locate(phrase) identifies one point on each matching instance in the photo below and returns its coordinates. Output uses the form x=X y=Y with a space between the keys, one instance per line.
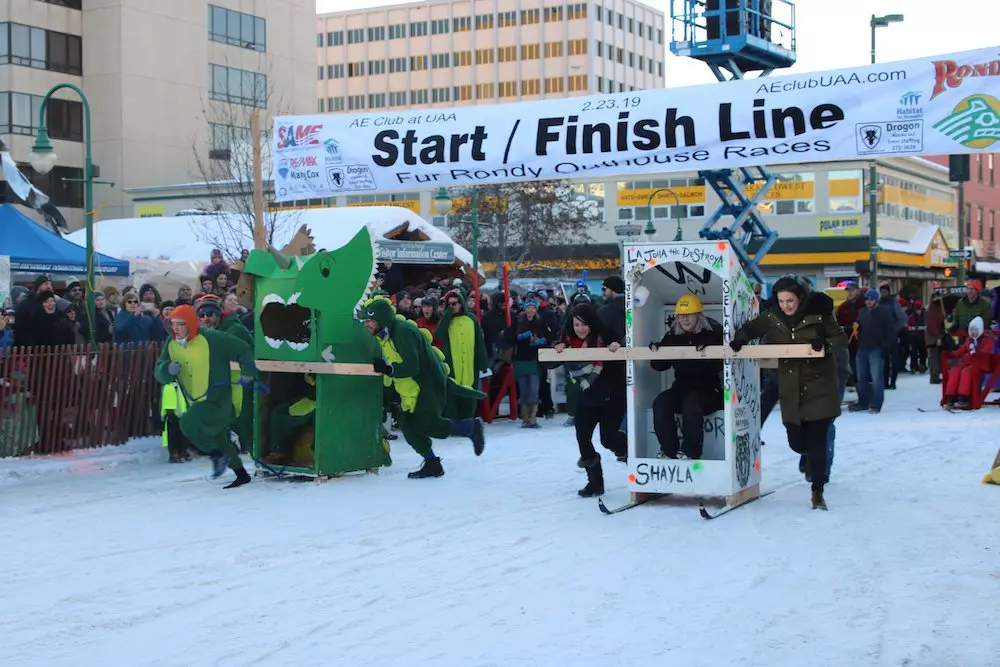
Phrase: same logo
x=298 y=136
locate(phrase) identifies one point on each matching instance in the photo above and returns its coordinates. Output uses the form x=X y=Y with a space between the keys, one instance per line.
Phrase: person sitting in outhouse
x=697 y=387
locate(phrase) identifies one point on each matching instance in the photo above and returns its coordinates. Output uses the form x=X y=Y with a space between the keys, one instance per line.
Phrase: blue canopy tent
x=34 y=249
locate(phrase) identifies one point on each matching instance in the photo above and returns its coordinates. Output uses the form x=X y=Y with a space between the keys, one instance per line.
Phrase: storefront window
x=593 y=192
x=845 y=191
x=633 y=199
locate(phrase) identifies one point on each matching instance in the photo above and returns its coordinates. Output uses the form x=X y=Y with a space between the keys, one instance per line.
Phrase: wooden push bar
x=797 y=351
x=314 y=367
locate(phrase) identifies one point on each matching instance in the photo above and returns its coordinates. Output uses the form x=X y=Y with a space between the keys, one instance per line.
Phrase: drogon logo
x=949 y=74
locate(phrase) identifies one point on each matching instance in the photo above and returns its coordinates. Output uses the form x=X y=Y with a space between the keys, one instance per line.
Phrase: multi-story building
x=456 y=52
x=164 y=80
x=982 y=201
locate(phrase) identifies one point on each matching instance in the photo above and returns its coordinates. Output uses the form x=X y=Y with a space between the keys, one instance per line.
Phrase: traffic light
x=958 y=168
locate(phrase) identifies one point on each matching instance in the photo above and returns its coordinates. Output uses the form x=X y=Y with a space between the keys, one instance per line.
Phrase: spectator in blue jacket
x=6 y=332
x=137 y=325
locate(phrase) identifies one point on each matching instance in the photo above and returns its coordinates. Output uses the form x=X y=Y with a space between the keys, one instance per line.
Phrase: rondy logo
x=974 y=123
x=870 y=135
x=949 y=74
x=297 y=136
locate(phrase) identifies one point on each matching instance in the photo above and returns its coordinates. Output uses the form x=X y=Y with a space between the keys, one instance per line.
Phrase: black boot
x=595 y=482
x=242 y=477
x=478 y=437
x=818 y=502
x=431 y=468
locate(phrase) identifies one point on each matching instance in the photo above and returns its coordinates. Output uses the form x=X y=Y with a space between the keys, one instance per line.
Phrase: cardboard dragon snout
x=305 y=312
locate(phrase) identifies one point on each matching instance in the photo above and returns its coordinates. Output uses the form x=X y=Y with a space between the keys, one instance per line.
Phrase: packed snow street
x=501 y=563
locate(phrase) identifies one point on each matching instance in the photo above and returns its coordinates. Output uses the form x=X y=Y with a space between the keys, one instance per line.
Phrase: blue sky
x=833 y=38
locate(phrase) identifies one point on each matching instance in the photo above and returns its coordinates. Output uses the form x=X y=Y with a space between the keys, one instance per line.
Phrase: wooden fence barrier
x=55 y=399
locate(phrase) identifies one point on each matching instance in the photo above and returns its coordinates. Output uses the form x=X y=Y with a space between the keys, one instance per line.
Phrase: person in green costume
x=198 y=359
x=287 y=417
x=464 y=351
x=211 y=316
x=416 y=370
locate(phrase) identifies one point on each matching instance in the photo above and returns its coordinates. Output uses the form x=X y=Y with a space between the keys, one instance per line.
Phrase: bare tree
x=518 y=220
x=224 y=165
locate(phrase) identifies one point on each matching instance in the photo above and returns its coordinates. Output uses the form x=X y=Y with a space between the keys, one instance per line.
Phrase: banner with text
x=937 y=105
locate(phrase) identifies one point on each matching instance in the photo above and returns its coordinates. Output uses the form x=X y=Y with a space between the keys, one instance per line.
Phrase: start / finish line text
x=570 y=136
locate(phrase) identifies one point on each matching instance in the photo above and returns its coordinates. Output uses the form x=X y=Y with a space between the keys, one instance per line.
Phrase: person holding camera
x=138 y=323
x=807 y=388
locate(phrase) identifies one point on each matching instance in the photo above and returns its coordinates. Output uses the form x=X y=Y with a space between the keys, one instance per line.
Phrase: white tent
x=159 y=246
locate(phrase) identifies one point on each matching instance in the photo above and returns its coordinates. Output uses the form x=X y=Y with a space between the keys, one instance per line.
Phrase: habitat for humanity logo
x=909 y=105
x=974 y=123
x=332 y=149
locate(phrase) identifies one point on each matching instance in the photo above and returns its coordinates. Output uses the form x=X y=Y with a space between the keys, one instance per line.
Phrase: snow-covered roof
x=175 y=239
x=916 y=246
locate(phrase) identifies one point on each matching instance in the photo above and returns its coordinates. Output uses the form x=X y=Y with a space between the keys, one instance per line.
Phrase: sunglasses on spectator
x=207 y=313
x=132 y=301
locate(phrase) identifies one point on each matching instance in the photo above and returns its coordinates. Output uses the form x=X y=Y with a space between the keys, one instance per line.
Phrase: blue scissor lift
x=735 y=37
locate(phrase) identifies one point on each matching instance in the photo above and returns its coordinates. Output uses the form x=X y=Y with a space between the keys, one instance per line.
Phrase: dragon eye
x=325 y=271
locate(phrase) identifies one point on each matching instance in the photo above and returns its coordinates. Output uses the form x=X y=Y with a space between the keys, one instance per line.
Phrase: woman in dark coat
x=602 y=395
x=807 y=388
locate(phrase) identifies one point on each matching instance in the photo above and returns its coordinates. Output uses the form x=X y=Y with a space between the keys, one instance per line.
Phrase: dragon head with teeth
x=306 y=305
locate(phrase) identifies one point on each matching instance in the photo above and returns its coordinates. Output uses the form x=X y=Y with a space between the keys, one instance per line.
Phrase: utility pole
x=961 y=230
x=876 y=22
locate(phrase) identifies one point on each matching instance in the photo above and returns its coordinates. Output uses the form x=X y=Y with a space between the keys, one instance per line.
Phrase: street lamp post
x=650 y=229
x=43 y=159
x=876 y=22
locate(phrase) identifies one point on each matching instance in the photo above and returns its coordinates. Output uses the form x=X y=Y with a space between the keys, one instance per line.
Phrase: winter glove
x=381 y=366
x=701 y=348
x=173 y=369
x=524 y=335
x=736 y=344
x=818 y=343
x=539 y=342
x=653 y=346
x=246 y=380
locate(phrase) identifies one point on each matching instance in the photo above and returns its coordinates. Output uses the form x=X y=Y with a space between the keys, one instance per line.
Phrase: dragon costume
x=230 y=323
x=200 y=365
x=464 y=351
x=416 y=370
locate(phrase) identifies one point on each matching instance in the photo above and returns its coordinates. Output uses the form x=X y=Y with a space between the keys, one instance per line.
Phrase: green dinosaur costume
x=464 y=353
x=287 y=417
x=416 y=370
x=232 y=325
x=205 y=377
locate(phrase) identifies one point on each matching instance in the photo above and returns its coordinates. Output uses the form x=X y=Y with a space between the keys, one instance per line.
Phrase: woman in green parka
x=807 y=388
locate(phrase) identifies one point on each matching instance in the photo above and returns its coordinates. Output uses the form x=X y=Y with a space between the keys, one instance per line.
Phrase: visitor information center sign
x=938 y=105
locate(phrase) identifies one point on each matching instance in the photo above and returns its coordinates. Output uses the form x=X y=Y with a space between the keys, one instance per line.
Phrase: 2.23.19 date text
x=612 y=103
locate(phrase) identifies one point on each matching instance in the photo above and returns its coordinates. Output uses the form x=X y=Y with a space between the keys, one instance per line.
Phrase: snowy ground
x=116 y=558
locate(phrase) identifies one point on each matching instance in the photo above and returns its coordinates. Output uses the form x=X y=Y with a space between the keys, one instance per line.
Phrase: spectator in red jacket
x=974 y=358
